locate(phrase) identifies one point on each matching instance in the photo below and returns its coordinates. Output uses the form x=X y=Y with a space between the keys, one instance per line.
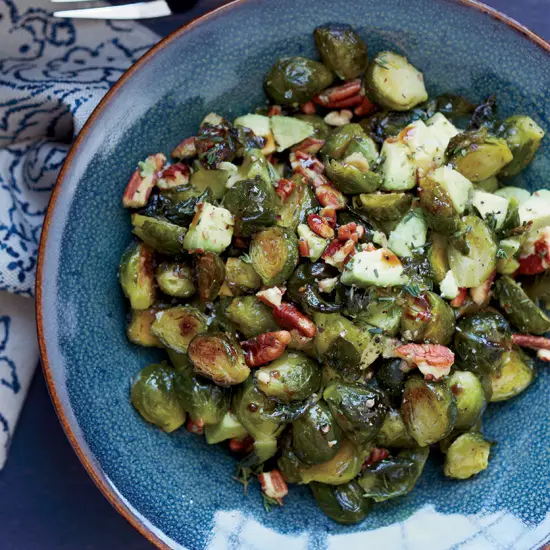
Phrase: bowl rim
x=93 y=471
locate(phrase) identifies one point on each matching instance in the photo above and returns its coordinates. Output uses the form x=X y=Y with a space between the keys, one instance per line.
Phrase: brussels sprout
x=519 y=308
x=339 y=140
x=427 y=318
x=437 y=256
x=477 y=155
x=470 y=398
x=255 y=165
x=366 y=147
x=213 y=180
x=350 y=179
x=393 y=476
x=385 y=124
x=386 y=206
x=344 y=504
x=451 y=105
x=218 y=357
x=393 y=432
x=251 y=317
x=228 y=428
x=240 y=277
x=340 y=469
x=474 y=268
x=342 y=50
x=316 y=435
x=321 y=128
x=252 y=202
x=135 y=273
x=391 y=378
x=210 y=275
x=516 y=374
x=381 y=310
x=138 y=329
x=176 y=327
x=218 y=320
x=481 y=340
x=274 y=254
x=467 y=456
x=154 y=397
x=295 y=80
x=202 y=399
x=428 y=410
x=523 y=135
x=175 y=279
x=394 y=83
x=210 y=231
x=490 y=185
x=298 y=205
x=163 y=236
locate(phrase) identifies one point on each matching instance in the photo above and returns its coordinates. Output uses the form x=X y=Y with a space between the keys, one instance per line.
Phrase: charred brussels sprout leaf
x=176 y=327
x=210 y=275
x=251 y=317
x=393 y=476
x=295 y=80
x=342 y=50
x=163 y=236
x=291 y=377
x=154 y=397
x=428 y=410
x=516 y=374
x=344 y=504
x=467 y=456
x=138 y=330
x=175 y=279
x=359 y=410
x=470 y=398
x=218 y=357
x=135 y=274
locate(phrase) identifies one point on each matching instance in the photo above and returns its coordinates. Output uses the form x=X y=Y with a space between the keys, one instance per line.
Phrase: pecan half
x=284 y=188
x=265 y=348
x=320 y=226
x=303 y=248
x=329 y=214
x=290 y=317
x=532 y=342
x=271 y=296
x=310 y=145
x=273 y=485
x=186 y=149
x=337 y=97
x=433 y=360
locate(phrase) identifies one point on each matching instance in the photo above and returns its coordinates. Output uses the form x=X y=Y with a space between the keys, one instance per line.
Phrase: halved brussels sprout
x=467 y=456
x=427 y=318
x=366 y=147
x=428 y=410
x=255 y=165
x=295 y=80
x=218 y=357
x=316 y=435
x=344 y=504
x=480 y=341
x=175 y=279
x=517 y=372
x=251 y=317
x=227 y=428
x=274 y=254
x=391 y=378
x=210 y=231
x=154 y=397
x=359 y=410
x=214 y=180
x=437 y=256
x=298 y=205
x=210 y=275
x=393 y=476
x=291 y=377
x=176 y=327
x=136 y=277
x=342 y=50
x=393 y=432
x=394 y=83
x=470 y=398
x=163 y=236
x=519 y=308
x=339 y=140
x=241 y=277
x=138 y=329
x=385 y=206
x=350 y=179
x=382 y=310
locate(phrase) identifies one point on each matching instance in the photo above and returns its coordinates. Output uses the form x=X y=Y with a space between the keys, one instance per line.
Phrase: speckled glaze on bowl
x=173 y=488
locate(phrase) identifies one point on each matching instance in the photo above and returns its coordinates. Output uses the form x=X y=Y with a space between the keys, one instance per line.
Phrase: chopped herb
x=413 y=290
x=376 y=330
x=382 y=63
x=246 y=258
x=376 y=273
x=269 y=502
x=501 y=254
x=243 y=476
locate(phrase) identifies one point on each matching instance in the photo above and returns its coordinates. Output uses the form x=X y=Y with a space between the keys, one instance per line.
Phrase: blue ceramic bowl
x=173 y=488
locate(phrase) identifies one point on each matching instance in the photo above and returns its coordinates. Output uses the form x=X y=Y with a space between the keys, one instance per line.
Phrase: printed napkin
x=53 y=72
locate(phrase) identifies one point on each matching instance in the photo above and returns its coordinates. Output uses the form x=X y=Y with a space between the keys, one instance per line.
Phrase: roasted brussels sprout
x=138 y=329
x=154 y=397
x=427 y=318
x=274 y=254
x=385 y=124
x=378 y=307
x=481 y=340
x=295 y=209
x=295 y=80
x=252 y=202
x=393 y=432
x=467 y=456
x=212 y=180
x=176 y=327
x=251 y=317
x=470 y=398
x=359 y=410
x=344 y=504
x=517 y=372
x=163 y=236
x=519 y=308
x=428 y=410
x=539 y=288
x=523 y=136
x=135 y=274
x=391 y=378
x=394 y=83
x=394 y=476
x=339 y=140
x=210 y=271
x=320 y=127
x=316 y=435
x=385 y=206
x=437 y=256
x=175 y=279
x=227 y=428
x=218 y=357
x=210 y=231
x=366 y=147
x=350 y=178
x=241 y=277
x=342 y=50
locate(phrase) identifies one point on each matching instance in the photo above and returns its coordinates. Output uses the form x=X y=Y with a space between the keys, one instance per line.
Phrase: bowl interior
x=175 y=486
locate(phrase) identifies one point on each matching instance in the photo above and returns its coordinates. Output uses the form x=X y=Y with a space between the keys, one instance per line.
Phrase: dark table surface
x=47 y=501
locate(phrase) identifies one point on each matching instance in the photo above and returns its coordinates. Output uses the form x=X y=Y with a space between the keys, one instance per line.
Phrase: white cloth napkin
x=53 y=72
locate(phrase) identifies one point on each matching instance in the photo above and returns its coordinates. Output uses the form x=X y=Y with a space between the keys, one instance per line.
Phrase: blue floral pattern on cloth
x=53 y=72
